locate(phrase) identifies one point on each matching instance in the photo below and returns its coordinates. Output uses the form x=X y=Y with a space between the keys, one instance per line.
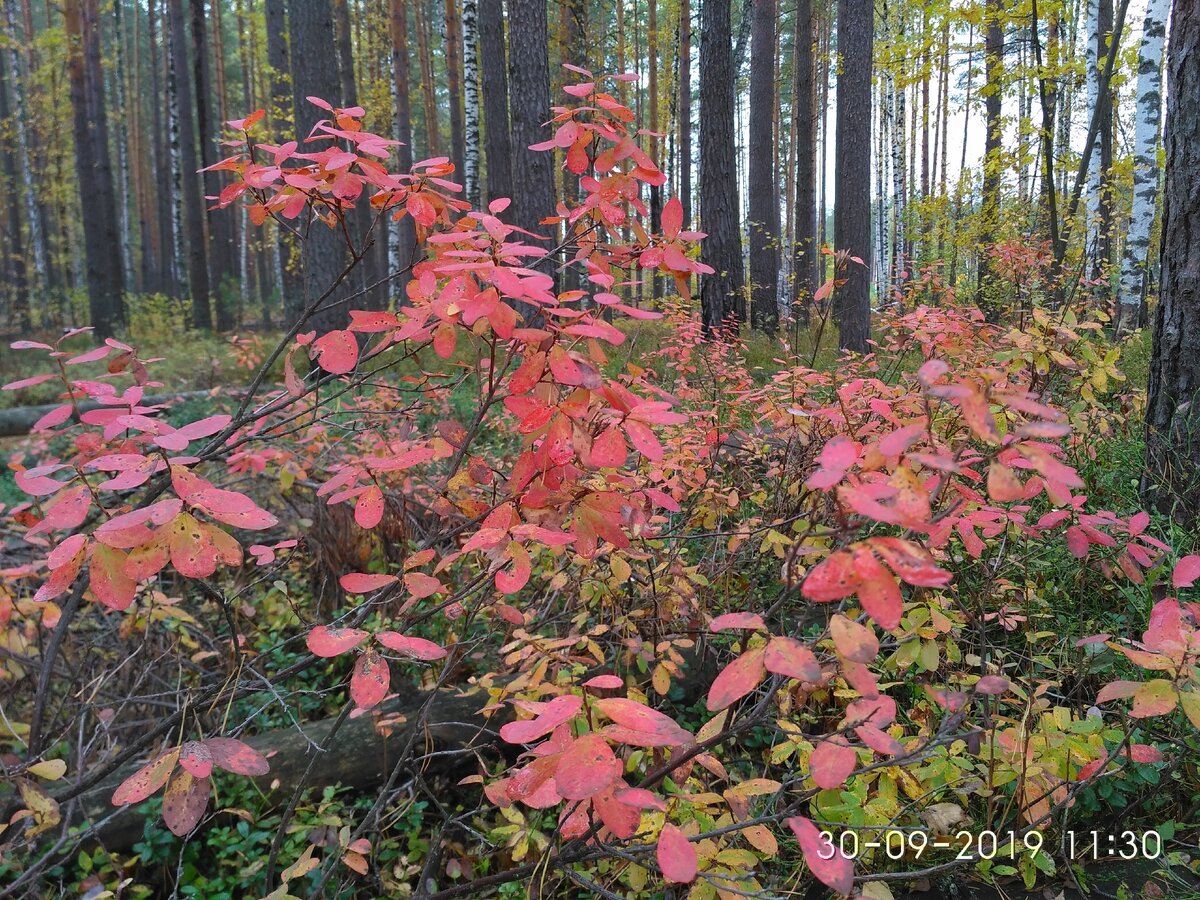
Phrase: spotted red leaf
x=852 y=640
x=586 y=768
x=788 y=657
x=369 y=683
x=337 y=352
x=736 y=620
x=368 y=510
x=364 y=583
x=196 y=758
x=640 y=718
x=185 y=801
x=147 y=780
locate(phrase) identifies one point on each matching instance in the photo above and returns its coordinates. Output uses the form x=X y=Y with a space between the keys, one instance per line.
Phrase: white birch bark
x=1092 y=57
x=1145 y=164
x=470 y=23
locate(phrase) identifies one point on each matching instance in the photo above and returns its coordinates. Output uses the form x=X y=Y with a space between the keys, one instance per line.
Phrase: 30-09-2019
x=915 y=843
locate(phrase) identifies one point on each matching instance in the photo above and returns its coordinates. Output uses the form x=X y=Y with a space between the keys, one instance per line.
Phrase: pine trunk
x=722 y=297
x=529 y=74
x=852 y=204
x=804 y=239
x=496 y=135
x=994 y=70
x=404 y=235
x=454 y=78
x=763 y=218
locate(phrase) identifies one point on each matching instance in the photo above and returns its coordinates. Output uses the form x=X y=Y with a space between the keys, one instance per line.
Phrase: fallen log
x=358 y=756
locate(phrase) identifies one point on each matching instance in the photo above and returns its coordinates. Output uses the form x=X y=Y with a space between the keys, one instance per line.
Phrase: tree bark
x=324 y=250
x=191 y=195
x=404 y=235
x=852 y=204
x=804 y=240
x=993 y=72
x=529 y=72
x=454 y=79
x=763 y=212
x=1145 y=167
x=220 y=231
x=497 y=138
x=470 y=31
x=1172 y=481
x=685 y=109
x=105 y=283
x=722 y=295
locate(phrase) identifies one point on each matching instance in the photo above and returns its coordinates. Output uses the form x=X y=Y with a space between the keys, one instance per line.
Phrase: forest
x=600 y=449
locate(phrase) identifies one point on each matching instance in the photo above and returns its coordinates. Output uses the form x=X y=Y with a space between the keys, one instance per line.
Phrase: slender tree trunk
x=348 y=91
x=18 y=78
x=722 y=297
x=804 y=238
x=425 y=58
x=14 y=301
x=994 y=69
x=220 y=233
x=1093 y=62
x=763 y=219
x=1172 y=481
x=497 y=137
x=454 y=79
x=529 y=73
x=852 y=204
x=1104 y=238
x=685 y=109
x=93 y=165
x=404 y=235
x=470 y=21
x=1145 y=167
x=324 y=251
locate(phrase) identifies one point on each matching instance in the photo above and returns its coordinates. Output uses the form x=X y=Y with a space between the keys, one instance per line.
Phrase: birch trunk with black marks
x=1134 y=260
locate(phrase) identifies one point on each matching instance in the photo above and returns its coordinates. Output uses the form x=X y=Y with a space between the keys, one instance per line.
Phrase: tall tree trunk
x=1145 y=167
x=763 y=218
x=454 y=78
x=425 y=58
x=404 y=235
x=653 y=99
x=1104 y=237
x=1172 y=480
x=324 y=252
x=284 y=254
x=993 y=72
x=1094 y=60
x=852 y=203
x=722 y=297
x=348 y=91
x=220 y=232
x=193 y=201
x=529 y=73
x=105 y=284
x=121 y=143
x=496 y=134
x=14 y=301
x=804 y=239
x=18 y=77
x=685 y=109
x=470 y=22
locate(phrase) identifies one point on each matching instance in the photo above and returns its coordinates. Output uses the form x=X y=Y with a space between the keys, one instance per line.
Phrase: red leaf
x=900 y=440
x=852 y=640
x=831 y=763
x=511 y=582
x=326 y=641
x=364 y=583
x=992 y=684
x=737 y=679
x=638 y=717
x=184 y=802
x=417 y=648
x=368 y=511
x=196 y=758
x=788 y=657
x=833 y=579
x=672 y=218
x=1077 y=542
x=559 y=710
x=831 y=867
x=1003 y=486
x=676 y=855
x=1187 y=570
x=236 y=756
x=609 y=450
x=586 y=768
x=109 y=583
x=642 y=437
x=421 y=585
x=736 y=620
x=337 y=352
x=146 y=780
x=369 y=683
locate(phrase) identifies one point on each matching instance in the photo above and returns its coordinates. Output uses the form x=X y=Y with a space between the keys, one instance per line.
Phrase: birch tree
x=1132 y=290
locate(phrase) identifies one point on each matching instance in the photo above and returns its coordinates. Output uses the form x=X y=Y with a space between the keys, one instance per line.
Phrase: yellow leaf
x=49 y=769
